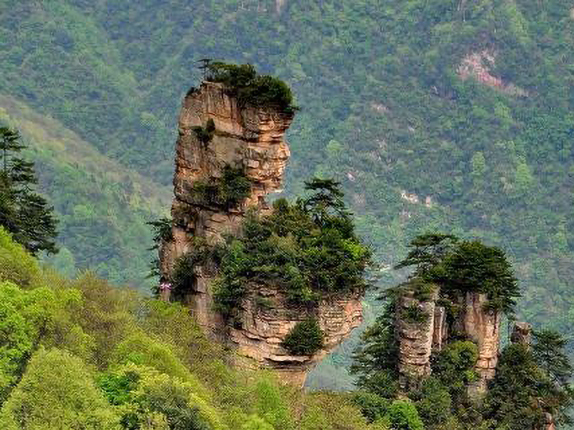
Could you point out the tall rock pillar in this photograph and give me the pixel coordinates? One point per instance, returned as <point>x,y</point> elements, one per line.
<point>482,325</point>
<point>416,321</point>
<point>253,139</point>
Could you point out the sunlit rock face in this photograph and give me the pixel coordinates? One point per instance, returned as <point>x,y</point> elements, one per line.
<point>254,139</point>
<point>419,340</point>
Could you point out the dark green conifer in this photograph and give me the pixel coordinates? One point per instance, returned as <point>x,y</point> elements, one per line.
<point>23,212</point>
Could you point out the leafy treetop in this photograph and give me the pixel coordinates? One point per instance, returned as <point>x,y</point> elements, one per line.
<point>464,266</point>
<point>250,87</point>
<point>307,249</point>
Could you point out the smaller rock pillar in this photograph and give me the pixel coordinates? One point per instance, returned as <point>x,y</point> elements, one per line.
<point>415,329</point>
<point>522,333</point>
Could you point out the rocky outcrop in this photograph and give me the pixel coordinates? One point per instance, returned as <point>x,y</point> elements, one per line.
<point>481,325</point>
<point>254,139</point>
<point>247,137</point>
<point>420,338</point>
<point>479,65</point>
<point>415,331</point>
<point>521,333</point>
<point>267,318</point>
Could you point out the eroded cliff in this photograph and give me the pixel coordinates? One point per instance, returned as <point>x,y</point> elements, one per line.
<point>217,134</point>
<point>419,337</point>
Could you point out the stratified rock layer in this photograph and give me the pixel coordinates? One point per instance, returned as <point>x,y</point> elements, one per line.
<point>482,325</point>
<point>251,138</point>
<point>415,338</point>
<point>418,340</point>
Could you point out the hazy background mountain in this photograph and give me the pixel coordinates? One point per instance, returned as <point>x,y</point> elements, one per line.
<point>434,114</point>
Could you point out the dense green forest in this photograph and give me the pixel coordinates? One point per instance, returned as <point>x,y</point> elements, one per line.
<point>83,354</point>
<point>95,86</point>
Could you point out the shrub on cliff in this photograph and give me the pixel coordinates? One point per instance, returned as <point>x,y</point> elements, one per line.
<point>252,88</point>
<point>307,249</point>
<point>306,338</point>
<point>227,191</point>
<point>205,134</point>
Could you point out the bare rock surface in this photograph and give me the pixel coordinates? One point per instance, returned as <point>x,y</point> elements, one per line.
<point>415,338</point>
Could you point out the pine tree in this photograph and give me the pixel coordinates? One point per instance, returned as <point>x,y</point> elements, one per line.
<point>548,351</point>
<point>23,212</point>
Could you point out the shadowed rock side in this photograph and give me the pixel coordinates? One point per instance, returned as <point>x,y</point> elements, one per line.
<point>482,326</point>
<point>253,139</point>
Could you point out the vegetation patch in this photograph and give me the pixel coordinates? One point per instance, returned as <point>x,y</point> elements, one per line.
<point>252,88</point>
<point>463,266</point>
<point>307,249</point>
<point>227,192</point>
<point>414,314</point>
<point>205,134</point>
<point>306,338</point>
<point>183,274</point>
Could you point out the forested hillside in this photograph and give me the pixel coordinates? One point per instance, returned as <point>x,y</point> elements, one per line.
<point>81,354</point>
<point>435,115</point>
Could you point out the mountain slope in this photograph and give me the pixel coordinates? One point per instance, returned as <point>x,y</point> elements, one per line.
<point>434,115</point>
<point>101,205</point>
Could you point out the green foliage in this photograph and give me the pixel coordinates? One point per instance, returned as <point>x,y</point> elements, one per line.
<point>389,94</point>
<point>227,191</point>
<point>118,388</point>
<point>256,423</point>
<point>156,369</point>
<point>454,368</point>
<point>474,266</point>
<point>205,134</point>
<point>306,249</point>
<point>427,250</point>
<point>57,391</point>
<point>272,405</point>
<point>466,266</point>
<point>414,314</point>
<point>251,88</point>
<point>31,318</point>
<point>23,212</point>
<point>522,392</point>
<point>16,264</point>
<point>433,403</point>
<point>306,338</point>
<point>403,415</point>
<point>162,233</point>
<point>548,351</point>
<point>140,349</point>
<point>183,274</point>
<point>330,411</point>
<point>143,395</point>
<point>373,407</point>
<point>376,359</point>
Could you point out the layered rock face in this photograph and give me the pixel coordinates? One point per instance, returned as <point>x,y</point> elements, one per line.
<point>482,326</point>
<point>263,329</point>
<point>253,139</point>
<point>418,340</point>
